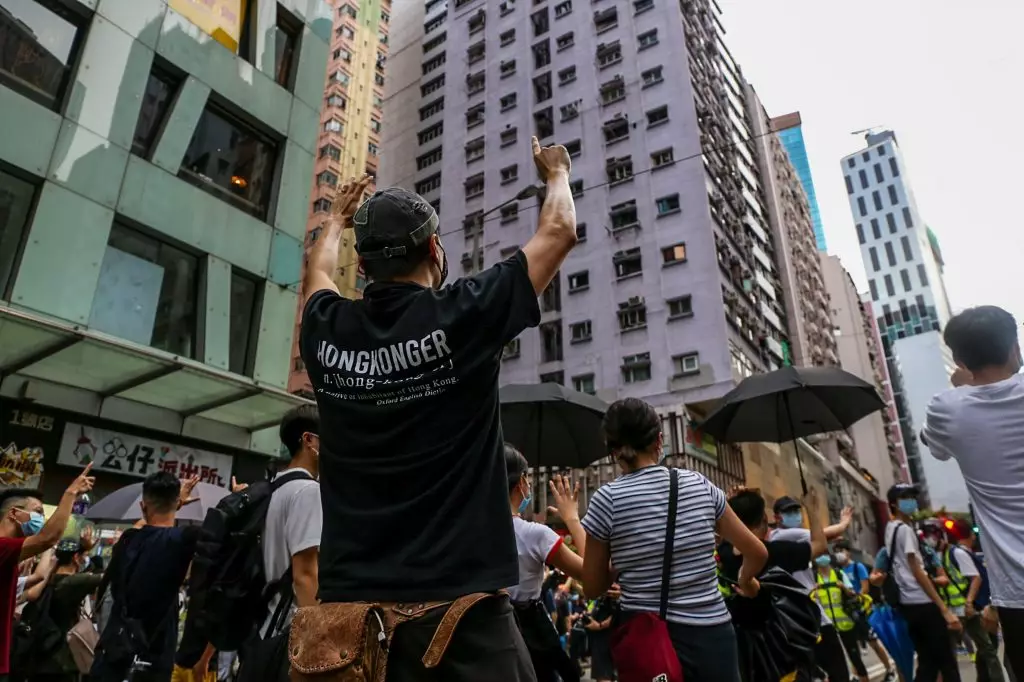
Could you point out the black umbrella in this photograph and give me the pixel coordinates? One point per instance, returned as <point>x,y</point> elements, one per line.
<point>552,425</point>
<point>791,403</point>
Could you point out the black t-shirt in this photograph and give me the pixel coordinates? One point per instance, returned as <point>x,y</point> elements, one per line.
<point>412,475</point>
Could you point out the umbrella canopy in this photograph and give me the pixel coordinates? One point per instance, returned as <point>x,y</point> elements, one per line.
<point>552,425</point>
<point>124,504</point>
<point>792,403</point>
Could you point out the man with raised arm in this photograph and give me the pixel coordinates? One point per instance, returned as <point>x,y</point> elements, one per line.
<point>412,473</point>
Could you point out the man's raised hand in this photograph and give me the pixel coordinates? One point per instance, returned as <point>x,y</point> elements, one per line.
<point>550,161</point>
<point>348,199</point>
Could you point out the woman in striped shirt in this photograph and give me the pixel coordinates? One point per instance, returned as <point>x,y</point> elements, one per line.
<point>626,523</point>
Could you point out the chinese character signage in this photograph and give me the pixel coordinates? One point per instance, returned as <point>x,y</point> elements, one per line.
<point>138,456</point>
<point>700,445</point>
<point>221,19</point>
<point>27,434</point>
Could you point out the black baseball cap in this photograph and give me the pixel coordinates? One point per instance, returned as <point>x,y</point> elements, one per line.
<point>785,503</point>
<point>901,491</point>
<point>392,222</point>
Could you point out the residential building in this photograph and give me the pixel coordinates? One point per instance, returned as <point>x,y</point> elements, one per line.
<point>903,263</point>
<point>898,449</point>
<point>793,140</point>
<point>154,166</point>
<point>348,140</point>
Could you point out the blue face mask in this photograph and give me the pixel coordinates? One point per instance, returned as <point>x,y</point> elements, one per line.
<point>907,506</point>
<point>525,504</point>
<point>793,519</point>
<point>34,524</point>
<point>824,560</point>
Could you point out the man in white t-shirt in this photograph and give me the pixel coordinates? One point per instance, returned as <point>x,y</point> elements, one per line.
<point>980,424</point>
<point>928,618</point>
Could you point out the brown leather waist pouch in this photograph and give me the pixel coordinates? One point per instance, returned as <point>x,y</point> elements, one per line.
<point>349,642</point>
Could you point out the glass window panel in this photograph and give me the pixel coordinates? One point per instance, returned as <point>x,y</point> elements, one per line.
<point>15,207</point>
<point>244,299</point>
<point>156,101</point>
<point>37,47</point>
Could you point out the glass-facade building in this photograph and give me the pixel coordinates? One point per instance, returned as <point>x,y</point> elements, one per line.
<point>793,141</point>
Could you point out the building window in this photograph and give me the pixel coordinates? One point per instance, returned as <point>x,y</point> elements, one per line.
<point>510,212</point>
<point>435,23</point>
<point>893,196</point>
<point>509,136</point>
<point>576,187</point>
<point>849,184</point>
<point>511,350</point>
<point>375,125</point>
<point>905,276</point>
<point>551,342</point>
<point>432,109</point>
<point>475,115</point>
<point>333,126</point>
<point>641,6</point>
<point>433,132</point>
<point>329,151</point>
<point>156,101</point>
<point>553,378</point>
<point>676,253</point>
<point>434,63</point>
<point>890,253</point>
<point>657,116</point>
<point>147,292</point>
<point>543,123</point>
<point>875,265</point>
<point>507,68</point>
<point>508,37</point>
<point>508,101</point>
<point>473,224</point>
<point>507,7</point>
<point>566,76</point>
<point>243,324</point>
<point>615,129</point>
<point>581,232</point>
<point>891,220</point>
<point>613,91</point>
<point>476,23</point>
<point>863,179</point>
<point>894,167</point>
<point>427,160</point>
<point>542,90</point>
<point>876,231</point>
<point>16,199</point>
<point>568,112</point>
<point>860,233</point>
<point>680,307</point>
<point>340,76</point>
<point>879,176</point>
<point>232,161</point>
<point>372,149</point>
<point>435,42</point>
<point>541,54</point>
<point>565,41</point>
<point>428,184</point>
<point>862,207</point>
<point>39,42</point>
<point>322,205</point>
<point>636,368</point>
<point>475,53</point>
<point>662,158</point>
<point>877,198</point>
<point>474,186</point>
<point>541,23</point>
<point>874,289</point>
<point>606,20</point>
<point>685,365</point>
<point>510,174</point>
<point>922,275</point>
<point>563,9</point>
<point>287,34</point>
<point>327,178</point>
<point>652,76</point>
<point>908,220</point>
<point>668,205</point>
<point>580,332</point>
<point>619,170</point>
<point>851,162</point>
<point>647,39</point>
<point>866,156</point>
<point>627,263</point>
<point>623,216</point>
<point>475,150</point>
<point>584,384</point>
<point>889,289</point>
<point>609,54</point>
<point>574,147</point>
<point>579,281</point>
<point>908,253</point>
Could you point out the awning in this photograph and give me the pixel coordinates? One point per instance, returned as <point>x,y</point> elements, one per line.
<point>32,347</point>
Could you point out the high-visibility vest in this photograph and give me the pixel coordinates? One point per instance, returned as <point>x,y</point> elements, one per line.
<point>723,587</point>
<point>955,594</point>
<point>829,594</point>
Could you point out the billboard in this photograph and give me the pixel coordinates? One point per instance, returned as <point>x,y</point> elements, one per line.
<point>221,19</point>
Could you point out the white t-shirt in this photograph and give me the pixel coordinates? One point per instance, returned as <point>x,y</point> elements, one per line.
<point>806,577</point>
<point>294,523</point>
<point>536,543</point>
<point>982,427</point>
<point>911,591</point>
<point>963,560</point>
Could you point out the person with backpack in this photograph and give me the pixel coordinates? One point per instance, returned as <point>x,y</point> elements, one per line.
<point>147,568</point>
<point>859,579</point>
<point>909,588</point>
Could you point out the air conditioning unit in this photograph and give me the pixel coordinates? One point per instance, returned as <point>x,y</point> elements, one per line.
<point>635,301</point>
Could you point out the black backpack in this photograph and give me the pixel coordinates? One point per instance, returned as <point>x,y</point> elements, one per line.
<point>228,591</point>
<point>36,636</point>
<point>890,588</point>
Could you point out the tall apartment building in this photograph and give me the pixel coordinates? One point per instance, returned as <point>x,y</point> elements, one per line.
<point>348,143</point>
<point>792,139</point>
<point>154,174</point>
<point>904,268</point>
<point>891,384</point>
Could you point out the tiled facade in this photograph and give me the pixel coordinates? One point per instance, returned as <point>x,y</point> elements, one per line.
<point>348,141</point>
<point>793,140</point>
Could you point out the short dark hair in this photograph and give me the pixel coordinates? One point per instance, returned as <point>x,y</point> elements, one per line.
<point>981,337</point>
<point>515,466</point>
<point>387,269</point>
<point>13,497</point>
<point>160,491</point>
<point>297,421</point>
<point>749,507</point>
<point>631,426</point>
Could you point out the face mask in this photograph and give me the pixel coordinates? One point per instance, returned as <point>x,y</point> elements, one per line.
<point>443,266</point>
<point>824,560</point>
<point>792,519</point>
<point>931,542</point>
<point>525,504</point>
<point>34,524</point>
<point>842,557</point>
<point>907,506</point>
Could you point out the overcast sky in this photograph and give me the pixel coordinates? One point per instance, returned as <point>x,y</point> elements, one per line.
<point>946,77</point>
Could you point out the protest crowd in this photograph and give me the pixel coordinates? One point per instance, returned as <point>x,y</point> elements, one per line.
<point>397,542</point>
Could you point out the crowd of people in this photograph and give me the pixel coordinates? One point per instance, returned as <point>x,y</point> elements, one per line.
<point>395,542</point>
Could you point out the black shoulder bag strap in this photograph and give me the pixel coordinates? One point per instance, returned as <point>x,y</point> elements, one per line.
<point>670,540</point>
<point>283,585</point>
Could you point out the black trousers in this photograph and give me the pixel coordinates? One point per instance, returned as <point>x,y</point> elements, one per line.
<point>707,653</point>
<point>851,642</point>
<point>1012,622</point>
<point>829,654</point>
<point>930,635</point>
<point>486,647</point>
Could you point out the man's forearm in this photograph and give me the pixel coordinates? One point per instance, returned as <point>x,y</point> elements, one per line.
<point>972,591</point>
<point>323,256</point>
<point>305,588</point>
<point>558,213</point>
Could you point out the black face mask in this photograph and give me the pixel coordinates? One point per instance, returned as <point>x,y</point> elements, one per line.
<point>444,265</point>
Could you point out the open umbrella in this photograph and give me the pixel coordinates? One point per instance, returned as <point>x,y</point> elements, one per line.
<point>124,504</point>
<point>791,403</point>
<point>552,425</point>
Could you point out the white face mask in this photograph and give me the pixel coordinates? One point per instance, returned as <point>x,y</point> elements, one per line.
<point>842,557</point>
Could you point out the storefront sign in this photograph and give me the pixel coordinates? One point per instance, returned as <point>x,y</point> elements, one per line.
<point>27,435</point>
<point>700,445</point>
<point>222,19</point>
<point>139,456</point>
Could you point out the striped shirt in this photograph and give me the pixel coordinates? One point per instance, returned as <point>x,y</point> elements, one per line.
<point>630,514</point>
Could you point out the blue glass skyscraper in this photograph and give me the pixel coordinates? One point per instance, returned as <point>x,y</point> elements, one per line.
<point>793,140</point>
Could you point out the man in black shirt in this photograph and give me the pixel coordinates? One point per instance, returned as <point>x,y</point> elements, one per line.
<point>411,469</point>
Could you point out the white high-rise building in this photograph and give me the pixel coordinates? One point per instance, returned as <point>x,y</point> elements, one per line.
<point>903,264</point>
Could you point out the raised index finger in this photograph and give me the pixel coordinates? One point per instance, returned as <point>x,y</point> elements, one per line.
<point>86,470</point>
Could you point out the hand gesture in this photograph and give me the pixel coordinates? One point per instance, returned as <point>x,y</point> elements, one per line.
<point>952,622</point>
<point>83,483</point>
<point>87,538</point>
<point>187,486</point>
<point>749,589</point>
<point>614,592</point>
<point>237,487</point>
<point>550,161</point>
<point>566,498</point>
<point>347,200</point>
<point>990,619</point>
<point>847,516</point>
